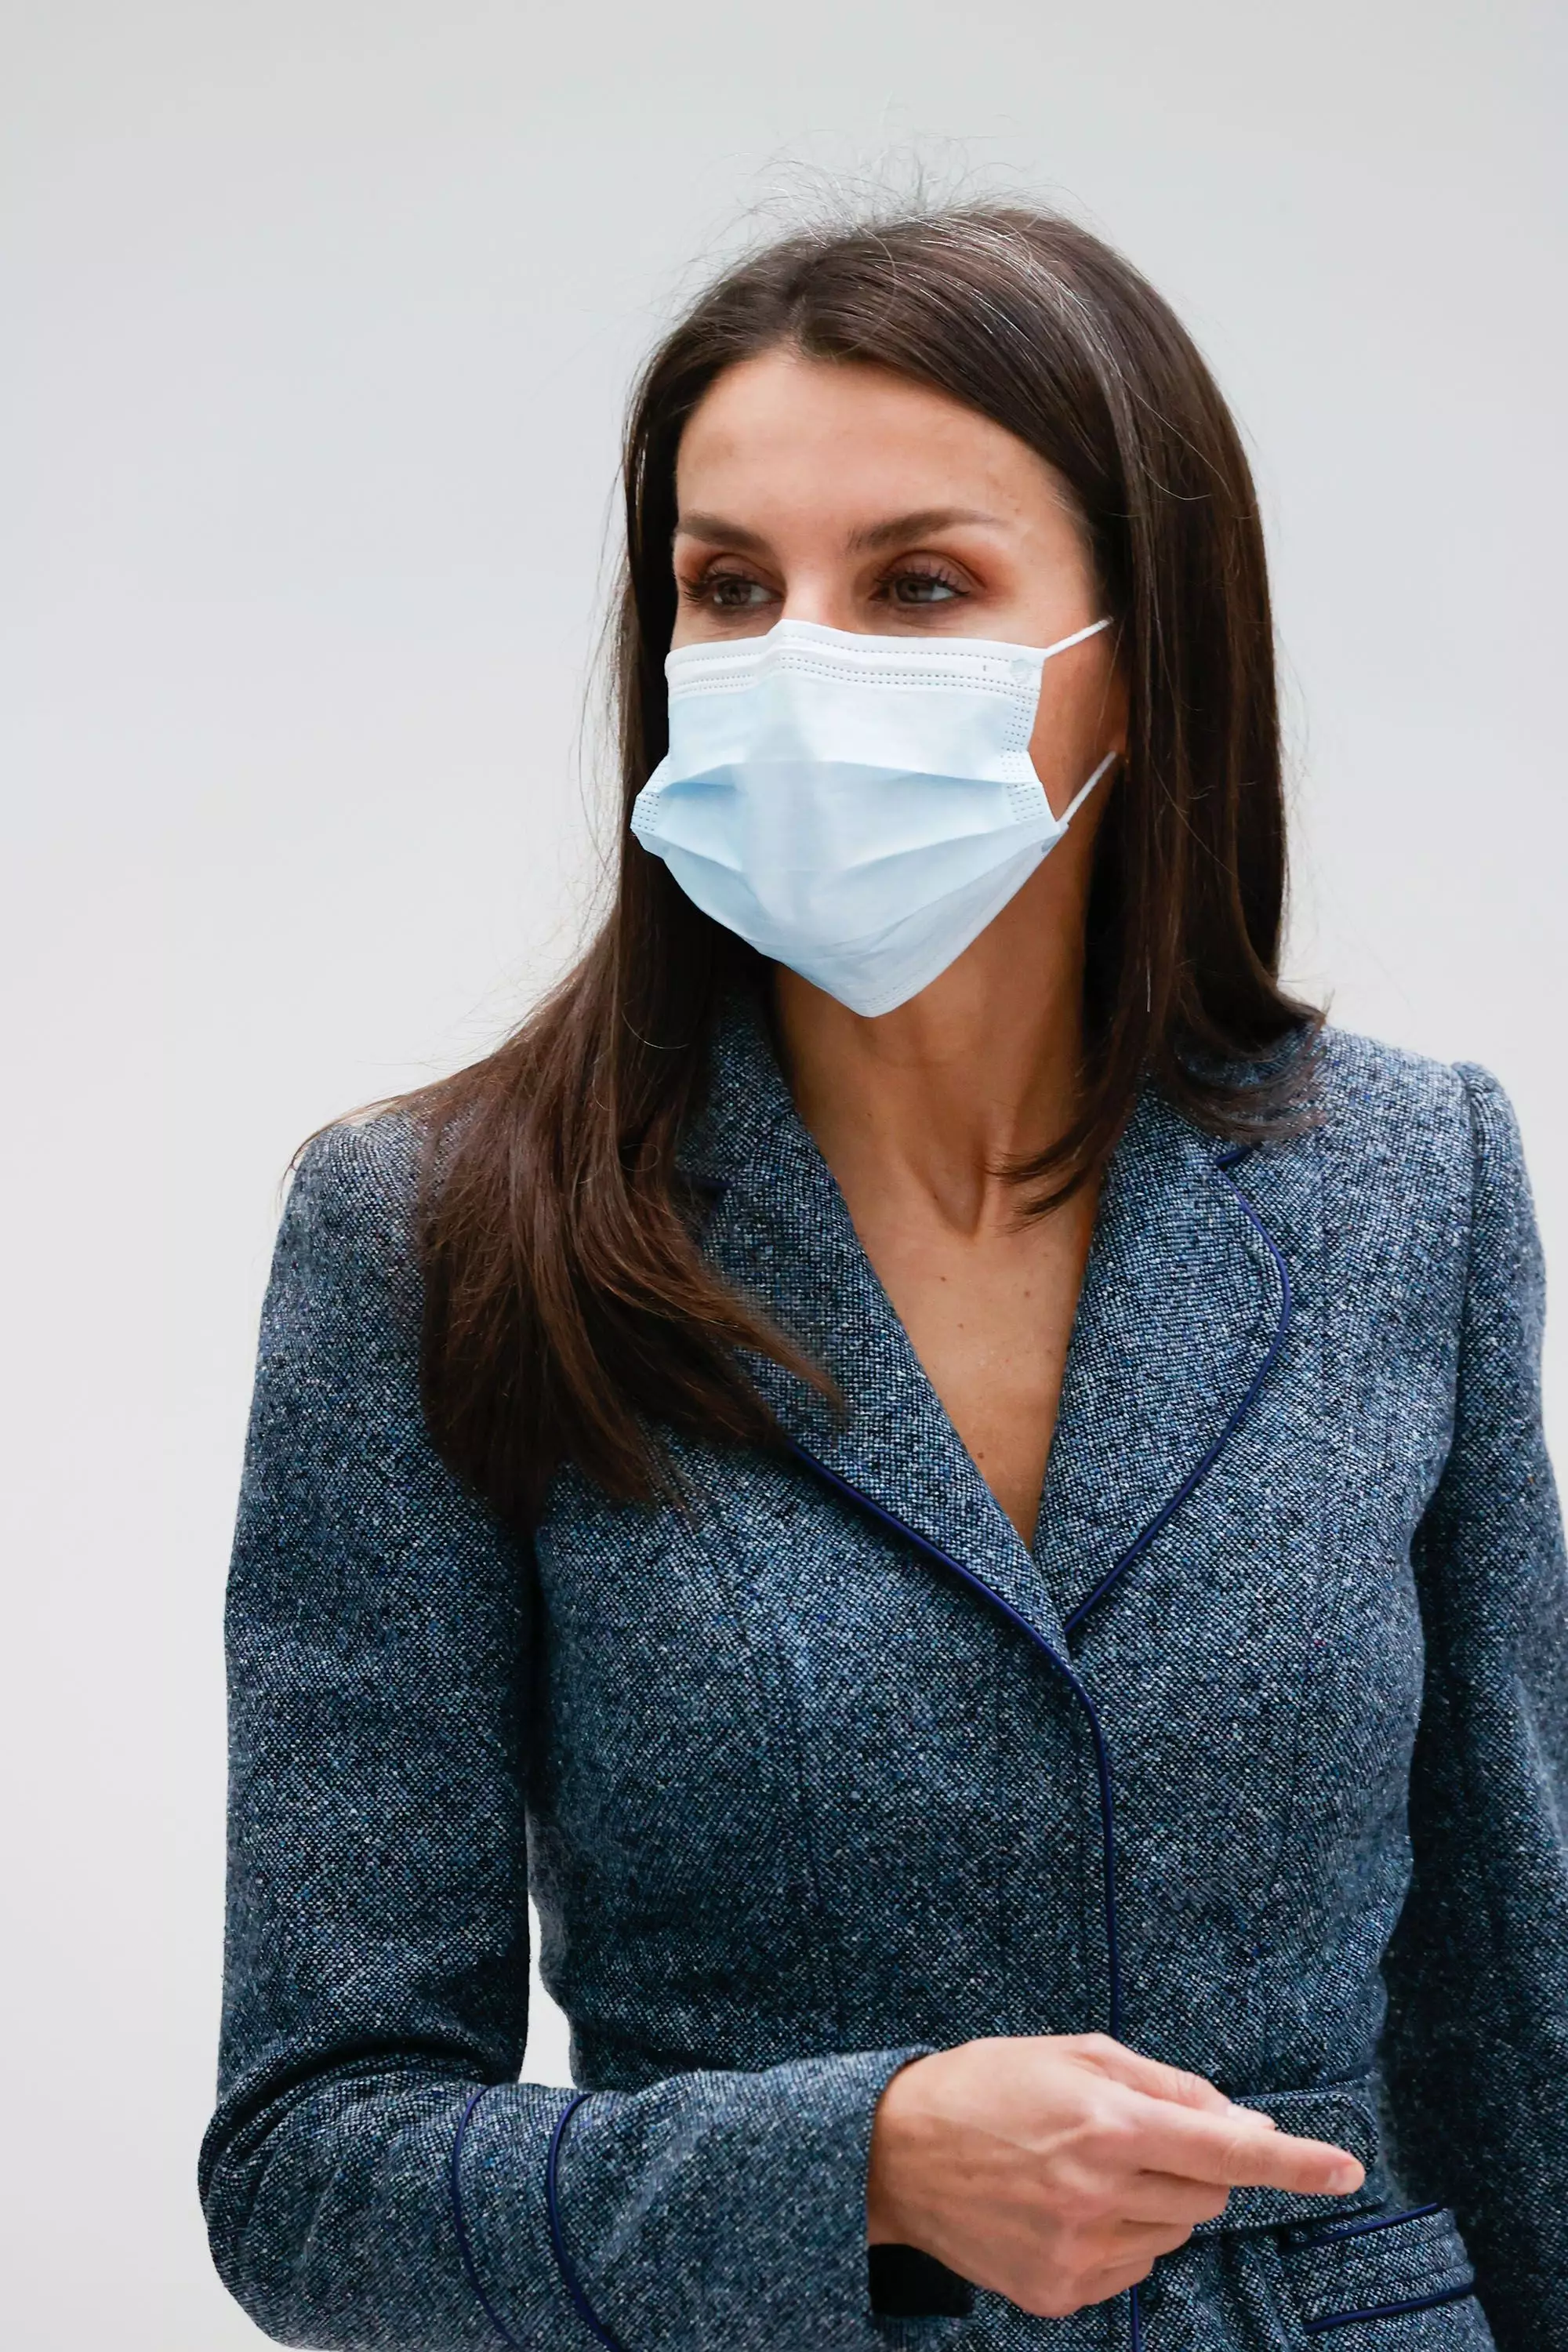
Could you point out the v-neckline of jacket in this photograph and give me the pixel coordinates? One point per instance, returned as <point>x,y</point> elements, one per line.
<point>1182,1306</point>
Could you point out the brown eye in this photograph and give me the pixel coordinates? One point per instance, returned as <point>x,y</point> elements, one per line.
<point>732,591</point>
<point>919,588</point>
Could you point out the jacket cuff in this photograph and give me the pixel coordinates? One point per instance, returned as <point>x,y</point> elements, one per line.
<point>498,2170</point>
<point>709,2208</point>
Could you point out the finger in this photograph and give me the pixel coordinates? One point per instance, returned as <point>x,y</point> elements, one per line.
<point>1134,2258</point>
<point>1153,2078</point>
<point>1167,2198</point>
<point>1315,2167</point>
<point>1235,2155</point>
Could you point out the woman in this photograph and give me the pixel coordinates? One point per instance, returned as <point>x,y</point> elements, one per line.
<point>952,1478</point>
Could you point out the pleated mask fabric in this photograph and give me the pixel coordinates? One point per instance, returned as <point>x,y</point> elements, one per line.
<point>858,807</point>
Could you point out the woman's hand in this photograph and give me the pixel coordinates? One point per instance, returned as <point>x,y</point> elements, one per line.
<point>1054,2168</point>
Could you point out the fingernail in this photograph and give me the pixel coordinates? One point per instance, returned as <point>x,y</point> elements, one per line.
<point>1345,2176</point>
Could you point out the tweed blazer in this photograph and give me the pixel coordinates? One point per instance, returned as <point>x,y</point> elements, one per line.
<point>1257,1759</point>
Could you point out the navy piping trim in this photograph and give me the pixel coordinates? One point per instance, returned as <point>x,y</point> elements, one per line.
<point>1103,1760</point>
<point>1195,1477</point>
<point>989,1592</point>
<point>1141,1542</point>
<point>1389,2310</point>
<point>1364,2228</point>
<point>464,2248</point>
<point>580,2301</point>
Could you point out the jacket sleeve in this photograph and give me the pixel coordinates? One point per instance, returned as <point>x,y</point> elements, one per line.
<point>374,2173</point>
<point>1476,2046</point>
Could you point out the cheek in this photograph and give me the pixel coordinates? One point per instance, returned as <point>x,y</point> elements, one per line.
<point>1062,733</point>
<point>1081,716</point>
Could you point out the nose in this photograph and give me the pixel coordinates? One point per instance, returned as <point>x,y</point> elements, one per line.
<point>820,597</point>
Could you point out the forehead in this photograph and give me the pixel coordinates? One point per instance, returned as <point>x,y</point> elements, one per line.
<point>782,427</point>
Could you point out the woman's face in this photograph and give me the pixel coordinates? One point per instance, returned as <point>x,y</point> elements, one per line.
<point>817,490</point>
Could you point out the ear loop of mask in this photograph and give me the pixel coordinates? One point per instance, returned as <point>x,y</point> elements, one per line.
<point>1077,637</point>
<point>1080,797</point>
<point>1110,758</point>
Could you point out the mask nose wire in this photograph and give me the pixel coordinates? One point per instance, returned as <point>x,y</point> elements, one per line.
<point>788,620</point>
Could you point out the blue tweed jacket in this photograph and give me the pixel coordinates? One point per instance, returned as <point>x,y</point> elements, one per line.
<point>1257,1759</point>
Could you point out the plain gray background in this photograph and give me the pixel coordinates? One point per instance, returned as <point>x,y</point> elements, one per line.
<point>318,323</point>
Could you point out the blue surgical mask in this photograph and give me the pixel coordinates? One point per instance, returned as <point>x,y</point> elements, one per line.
<point>858,807</point>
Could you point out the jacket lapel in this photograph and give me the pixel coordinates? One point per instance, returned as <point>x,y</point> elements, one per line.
<point>778,1230</point>
<point>1181,1305</point>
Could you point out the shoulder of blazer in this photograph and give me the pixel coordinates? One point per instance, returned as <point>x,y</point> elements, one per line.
<point>1393,1118</point>
<point>353,1195</point>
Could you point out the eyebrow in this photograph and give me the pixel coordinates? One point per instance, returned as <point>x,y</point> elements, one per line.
<point>715,531</point>
<point>919,525</point>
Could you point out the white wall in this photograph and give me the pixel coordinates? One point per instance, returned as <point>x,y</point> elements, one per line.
<point>317,323</point>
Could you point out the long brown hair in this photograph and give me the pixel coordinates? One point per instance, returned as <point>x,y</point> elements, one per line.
<point>570,1315</point>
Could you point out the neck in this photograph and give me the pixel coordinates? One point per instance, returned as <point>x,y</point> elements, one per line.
<point>929,1102</point>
